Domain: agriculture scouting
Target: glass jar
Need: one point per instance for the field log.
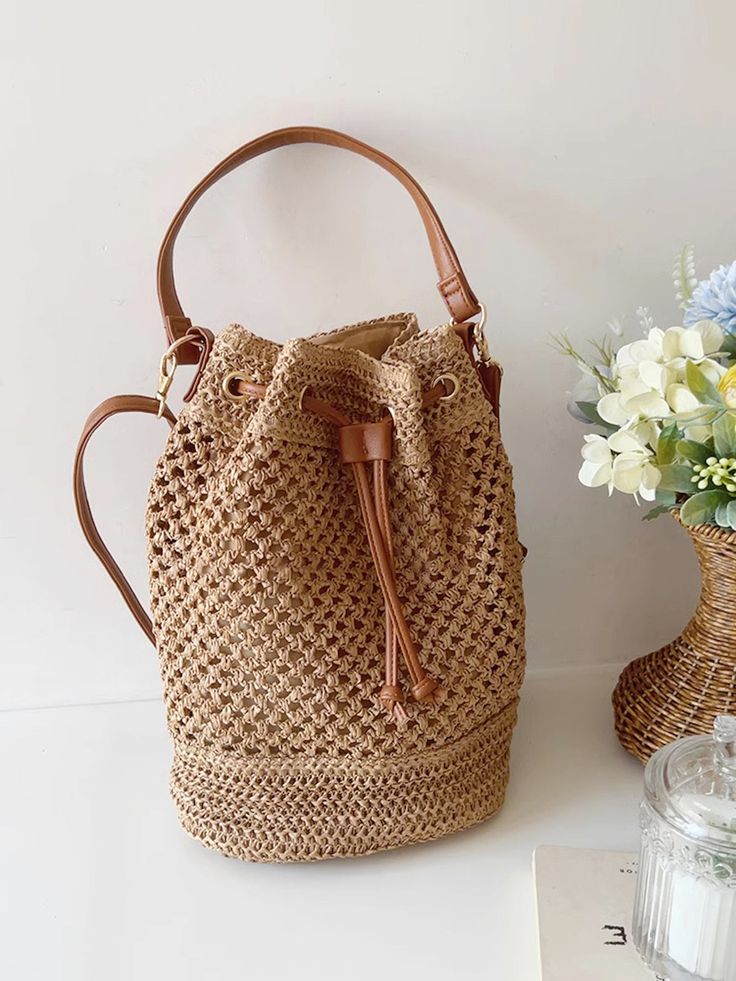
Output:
(684, 923)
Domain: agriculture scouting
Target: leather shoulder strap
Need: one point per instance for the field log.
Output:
(453, 285)
(105, 410)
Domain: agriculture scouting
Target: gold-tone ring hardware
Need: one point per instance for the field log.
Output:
(392, 412)
(443, 380)
(483, 315)
(301, 397)
(227, 381)
(167, 370)
(479, 336)
(480, 323)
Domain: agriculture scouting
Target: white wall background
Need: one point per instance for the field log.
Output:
(570, 147)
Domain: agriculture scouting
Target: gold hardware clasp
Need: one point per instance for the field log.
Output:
(479, 336)
(166, 372)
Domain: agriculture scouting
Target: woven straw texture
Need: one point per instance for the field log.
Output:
(679, 689)
(269, 618)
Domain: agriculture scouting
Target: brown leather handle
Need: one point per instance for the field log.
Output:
(111, 407)
(453, 286)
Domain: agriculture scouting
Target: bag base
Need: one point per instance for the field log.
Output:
(305, 809)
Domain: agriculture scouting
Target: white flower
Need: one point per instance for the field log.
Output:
(712, 370)
(651, 373)
(655, 375)
(646, 389)
(597, 468)
(647, 350)
(695, 342)
(636, 436)
(681, 399)
(633, 473)
(622, 462)
(635, 399)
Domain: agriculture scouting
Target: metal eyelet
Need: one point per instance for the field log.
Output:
(443, 380)
(227, 383)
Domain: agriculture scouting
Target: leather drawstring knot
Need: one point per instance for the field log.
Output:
(360, 444)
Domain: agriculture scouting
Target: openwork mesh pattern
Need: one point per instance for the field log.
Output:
(269, 617)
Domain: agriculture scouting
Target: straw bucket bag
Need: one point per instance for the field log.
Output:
(335, 572)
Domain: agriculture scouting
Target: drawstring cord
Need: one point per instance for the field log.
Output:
(391, 694)
(423, 686)
(360, 444)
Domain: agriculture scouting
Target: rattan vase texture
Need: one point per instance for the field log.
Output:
(679, 689)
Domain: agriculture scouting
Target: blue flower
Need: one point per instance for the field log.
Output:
(715, 299)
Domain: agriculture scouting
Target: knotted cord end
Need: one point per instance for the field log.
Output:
(391, 695)
(392, 698)
(428, 689)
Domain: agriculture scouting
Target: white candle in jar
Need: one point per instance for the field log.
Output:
(702, 924)
(685, 915)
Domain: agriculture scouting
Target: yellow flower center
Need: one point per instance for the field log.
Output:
(727, 387)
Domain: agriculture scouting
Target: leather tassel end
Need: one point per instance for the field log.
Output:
(392, 699)
(429, 690)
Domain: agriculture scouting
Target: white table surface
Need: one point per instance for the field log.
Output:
(98, 882)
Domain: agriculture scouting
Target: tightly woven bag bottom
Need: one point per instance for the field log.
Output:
(310, 809)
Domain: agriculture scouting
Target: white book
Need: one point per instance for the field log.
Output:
(584, 905)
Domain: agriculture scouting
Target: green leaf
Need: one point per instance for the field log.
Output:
(676, 477)
(701, 508)
(590, 411)
(703, 389)
(729, 346)
(656, 511)
(724, 435)
(695, 452)
(726, 514)
(667, 444)
(667, 498)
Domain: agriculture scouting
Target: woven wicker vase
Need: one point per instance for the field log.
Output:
(678, 690)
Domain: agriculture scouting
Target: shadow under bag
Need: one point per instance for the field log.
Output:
(335, 570)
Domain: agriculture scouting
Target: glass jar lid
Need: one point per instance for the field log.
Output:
(691, 784)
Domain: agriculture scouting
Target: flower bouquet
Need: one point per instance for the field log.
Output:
(661, 412)
(663, 407)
